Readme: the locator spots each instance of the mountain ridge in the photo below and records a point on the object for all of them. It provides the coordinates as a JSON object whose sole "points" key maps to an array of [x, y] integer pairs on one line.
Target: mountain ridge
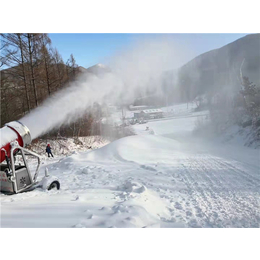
{"points": [[220, 68]]}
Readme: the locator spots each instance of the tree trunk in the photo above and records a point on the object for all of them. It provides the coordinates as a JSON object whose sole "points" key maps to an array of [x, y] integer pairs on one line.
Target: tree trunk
{"points": [[29, 36], [47, 73], [79, 128], [24, 77]]}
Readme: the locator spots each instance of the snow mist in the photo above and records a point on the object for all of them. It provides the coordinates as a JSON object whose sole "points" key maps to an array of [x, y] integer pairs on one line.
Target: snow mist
{"points": [[136, 69]]}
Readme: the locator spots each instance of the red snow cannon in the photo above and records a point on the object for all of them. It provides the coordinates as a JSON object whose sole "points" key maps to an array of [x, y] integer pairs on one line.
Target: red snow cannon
{"points": [[13, 131], [15, 175]]}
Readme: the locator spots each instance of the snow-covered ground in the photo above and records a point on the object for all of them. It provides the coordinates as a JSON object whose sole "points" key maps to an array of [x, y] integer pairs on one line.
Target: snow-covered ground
{"points": [[161, 177], [67, 146]]}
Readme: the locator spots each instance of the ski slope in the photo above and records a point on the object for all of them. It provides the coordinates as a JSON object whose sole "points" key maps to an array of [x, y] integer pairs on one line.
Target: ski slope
{"points": [[164, 178]]}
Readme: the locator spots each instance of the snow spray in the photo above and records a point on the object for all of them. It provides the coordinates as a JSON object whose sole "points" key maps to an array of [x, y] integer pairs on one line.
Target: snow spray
{"points": [[138, 68]]}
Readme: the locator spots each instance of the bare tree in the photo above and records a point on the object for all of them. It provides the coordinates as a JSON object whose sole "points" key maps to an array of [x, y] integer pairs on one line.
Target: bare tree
{"points": [[59, 68], [21, 46], [72, 67], [47, 60], [13, 51], [31, 44]]}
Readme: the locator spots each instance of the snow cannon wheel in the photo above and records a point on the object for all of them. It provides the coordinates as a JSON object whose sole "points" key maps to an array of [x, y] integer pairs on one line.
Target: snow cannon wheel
{"points": [[54, 185]]}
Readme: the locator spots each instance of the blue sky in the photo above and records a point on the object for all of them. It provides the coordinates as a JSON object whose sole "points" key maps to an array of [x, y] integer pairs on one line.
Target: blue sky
{"points": [[90, 49]]}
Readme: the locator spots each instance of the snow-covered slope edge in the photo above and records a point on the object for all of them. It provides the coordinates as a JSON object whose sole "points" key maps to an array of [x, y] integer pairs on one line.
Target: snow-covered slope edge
{"points": [[100, 188]]}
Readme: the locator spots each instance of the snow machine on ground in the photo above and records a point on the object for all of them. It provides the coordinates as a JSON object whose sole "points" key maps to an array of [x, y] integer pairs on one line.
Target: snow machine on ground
{"points": [[15, 173]]}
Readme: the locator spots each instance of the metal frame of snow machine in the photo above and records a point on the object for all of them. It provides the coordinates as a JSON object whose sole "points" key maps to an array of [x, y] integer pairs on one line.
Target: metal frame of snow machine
{"points": [[16, 178]]}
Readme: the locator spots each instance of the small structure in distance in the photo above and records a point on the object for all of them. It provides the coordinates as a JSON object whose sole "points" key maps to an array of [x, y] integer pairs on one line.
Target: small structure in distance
{"points": [[148, 113]]}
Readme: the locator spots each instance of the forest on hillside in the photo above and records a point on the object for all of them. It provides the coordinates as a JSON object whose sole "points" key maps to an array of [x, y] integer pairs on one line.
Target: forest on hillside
{"points": [[32, 69]]}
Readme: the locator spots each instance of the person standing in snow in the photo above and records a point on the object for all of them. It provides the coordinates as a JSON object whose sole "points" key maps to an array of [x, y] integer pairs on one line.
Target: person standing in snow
{"points": [[48, 150]]}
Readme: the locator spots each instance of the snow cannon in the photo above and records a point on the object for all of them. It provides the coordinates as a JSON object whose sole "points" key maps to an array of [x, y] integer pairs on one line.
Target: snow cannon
{"points": [[15, 174], [13, 132]]}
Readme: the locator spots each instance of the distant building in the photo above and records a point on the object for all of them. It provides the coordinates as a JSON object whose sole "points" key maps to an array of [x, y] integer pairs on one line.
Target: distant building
{"points": [[133, 108], [149, 113]]}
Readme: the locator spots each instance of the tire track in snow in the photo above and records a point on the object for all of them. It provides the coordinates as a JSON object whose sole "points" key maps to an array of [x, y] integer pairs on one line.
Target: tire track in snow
{"points": [[197, 197], [233, 205], [222, 197], [213, 187], [245, 205]]}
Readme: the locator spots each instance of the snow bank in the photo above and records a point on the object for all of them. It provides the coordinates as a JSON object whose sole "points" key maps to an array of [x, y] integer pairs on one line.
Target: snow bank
{"points": [[238, 135], [139, 149], [68, 146]]}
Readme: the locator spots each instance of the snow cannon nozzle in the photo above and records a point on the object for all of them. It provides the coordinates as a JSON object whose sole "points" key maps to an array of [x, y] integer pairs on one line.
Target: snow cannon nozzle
{"points": [[22, 131], [13, 131]]}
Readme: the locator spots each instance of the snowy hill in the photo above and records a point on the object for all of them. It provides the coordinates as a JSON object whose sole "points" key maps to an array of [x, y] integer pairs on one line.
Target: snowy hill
{"points": [[98, 69], [218, 70], [165, 179]]}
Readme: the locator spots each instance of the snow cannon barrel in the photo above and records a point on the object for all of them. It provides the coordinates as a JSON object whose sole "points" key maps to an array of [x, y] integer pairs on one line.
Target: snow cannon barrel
{"points": [[13, 131]]}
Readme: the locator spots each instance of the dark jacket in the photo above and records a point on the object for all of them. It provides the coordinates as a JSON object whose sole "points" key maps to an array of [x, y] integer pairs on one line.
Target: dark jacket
{"points": [[48, 149]]}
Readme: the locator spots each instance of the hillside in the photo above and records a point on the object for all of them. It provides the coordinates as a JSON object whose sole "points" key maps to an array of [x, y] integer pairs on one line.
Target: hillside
{"points": [[219, 69], [98, 70]]}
